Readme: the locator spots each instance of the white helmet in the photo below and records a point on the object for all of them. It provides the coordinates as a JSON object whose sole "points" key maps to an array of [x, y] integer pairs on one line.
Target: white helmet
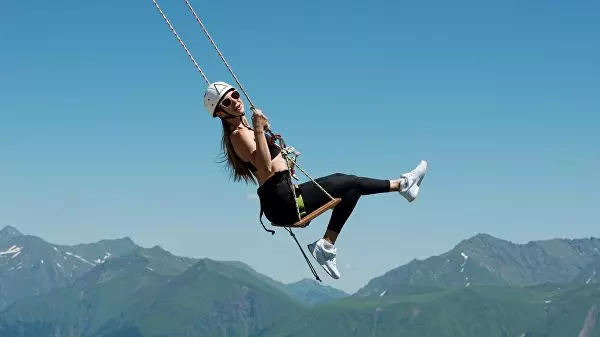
{"points": [[213, 95]]}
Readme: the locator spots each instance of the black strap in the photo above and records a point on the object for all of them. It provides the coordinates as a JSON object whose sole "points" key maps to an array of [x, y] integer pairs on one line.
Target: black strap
{"points": [[312, 269], [260, 218]]}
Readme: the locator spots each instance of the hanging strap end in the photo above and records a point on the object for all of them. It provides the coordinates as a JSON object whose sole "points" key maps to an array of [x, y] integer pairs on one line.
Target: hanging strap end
{"points": [[263, 225]]}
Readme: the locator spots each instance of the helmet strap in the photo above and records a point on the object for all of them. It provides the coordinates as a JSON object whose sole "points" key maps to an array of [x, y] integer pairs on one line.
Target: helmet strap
{"points": [[228, 115]]}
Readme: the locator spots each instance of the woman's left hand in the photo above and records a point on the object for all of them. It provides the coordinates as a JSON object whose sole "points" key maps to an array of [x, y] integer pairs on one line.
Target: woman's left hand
{"points": [[260, 121]]}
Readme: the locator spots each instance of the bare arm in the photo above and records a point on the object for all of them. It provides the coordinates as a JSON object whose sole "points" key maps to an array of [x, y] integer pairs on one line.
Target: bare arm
{"points": [[252, 150], [262, 156]]}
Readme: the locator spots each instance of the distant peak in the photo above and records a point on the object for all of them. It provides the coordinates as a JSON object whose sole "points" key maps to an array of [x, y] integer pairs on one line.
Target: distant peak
{"points": [[306, 280], [481, 239], [158, 248], [485, 236], [123, 240], [126, 239], [9, 232]]}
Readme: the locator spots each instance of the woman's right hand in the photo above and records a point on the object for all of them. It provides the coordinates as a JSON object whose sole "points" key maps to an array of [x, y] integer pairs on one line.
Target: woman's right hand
{"points": [[259, 121]]}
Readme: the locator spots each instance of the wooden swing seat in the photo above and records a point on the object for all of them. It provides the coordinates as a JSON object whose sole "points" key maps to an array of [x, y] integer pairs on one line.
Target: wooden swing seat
{"points": [[309, 217]]}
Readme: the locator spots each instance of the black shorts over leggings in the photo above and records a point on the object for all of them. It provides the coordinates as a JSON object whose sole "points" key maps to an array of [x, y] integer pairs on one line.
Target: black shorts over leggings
{"points": [[277, 200]]}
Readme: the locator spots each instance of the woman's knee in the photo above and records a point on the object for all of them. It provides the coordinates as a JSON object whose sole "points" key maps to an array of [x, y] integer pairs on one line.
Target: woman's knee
{"points": [[345, 179], [351, 196], [337, 177]]}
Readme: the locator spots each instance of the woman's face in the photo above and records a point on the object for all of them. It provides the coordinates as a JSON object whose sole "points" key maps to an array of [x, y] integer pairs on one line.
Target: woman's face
{"points": [[232, 103]]}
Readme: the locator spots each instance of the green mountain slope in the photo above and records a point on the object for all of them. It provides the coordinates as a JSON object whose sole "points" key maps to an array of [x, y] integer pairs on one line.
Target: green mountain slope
{"points": [[307, 291], [125, 295], [573, 312], [491, 311], [311, 292], [81, 309], [208, 299], [589, 274]]}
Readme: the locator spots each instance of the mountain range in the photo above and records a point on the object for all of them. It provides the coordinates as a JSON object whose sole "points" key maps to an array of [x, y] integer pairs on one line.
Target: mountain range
{"points": [[31, 266], [486, 260], [483, 286]]}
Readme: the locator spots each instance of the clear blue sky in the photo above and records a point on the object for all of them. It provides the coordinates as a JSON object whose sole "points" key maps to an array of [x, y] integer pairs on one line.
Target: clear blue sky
{"points": [[103, 133]]}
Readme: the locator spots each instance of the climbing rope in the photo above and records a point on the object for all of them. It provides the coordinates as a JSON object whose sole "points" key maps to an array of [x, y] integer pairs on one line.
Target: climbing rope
{"points": [[180, 41], [220, 54]]}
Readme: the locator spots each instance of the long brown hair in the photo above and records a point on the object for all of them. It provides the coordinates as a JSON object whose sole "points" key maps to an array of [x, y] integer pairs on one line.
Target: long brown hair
{"points": [[239, 171]]}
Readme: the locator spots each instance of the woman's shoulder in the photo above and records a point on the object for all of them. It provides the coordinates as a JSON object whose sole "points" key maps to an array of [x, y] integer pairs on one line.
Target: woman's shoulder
{"points": [[243, 137], [242, 133]]}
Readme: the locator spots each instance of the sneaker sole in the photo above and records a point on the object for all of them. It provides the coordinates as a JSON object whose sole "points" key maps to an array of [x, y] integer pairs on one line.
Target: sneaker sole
{"points": [[408, 196]]}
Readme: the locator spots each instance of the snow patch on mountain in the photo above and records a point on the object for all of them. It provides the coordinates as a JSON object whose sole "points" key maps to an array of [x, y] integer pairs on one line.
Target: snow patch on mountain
{"points": [[14, 250]]}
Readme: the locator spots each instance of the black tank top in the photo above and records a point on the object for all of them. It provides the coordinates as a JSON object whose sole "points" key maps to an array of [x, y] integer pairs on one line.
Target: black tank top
{"points": [[273, 150]]}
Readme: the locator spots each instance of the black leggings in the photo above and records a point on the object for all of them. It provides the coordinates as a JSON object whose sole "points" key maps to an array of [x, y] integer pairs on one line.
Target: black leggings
{"points": [[277, 199]]}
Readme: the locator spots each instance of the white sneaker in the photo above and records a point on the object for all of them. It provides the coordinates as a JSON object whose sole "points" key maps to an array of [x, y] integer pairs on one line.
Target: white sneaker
{"points": [[414, 178], [412, 193], [325, 254]]}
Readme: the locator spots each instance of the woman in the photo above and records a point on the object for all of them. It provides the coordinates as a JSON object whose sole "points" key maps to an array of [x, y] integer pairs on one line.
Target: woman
{"points": [[251, 158]]}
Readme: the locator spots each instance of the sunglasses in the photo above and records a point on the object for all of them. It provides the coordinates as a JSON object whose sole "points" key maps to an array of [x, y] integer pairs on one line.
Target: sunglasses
{"points": [[227, 102]]}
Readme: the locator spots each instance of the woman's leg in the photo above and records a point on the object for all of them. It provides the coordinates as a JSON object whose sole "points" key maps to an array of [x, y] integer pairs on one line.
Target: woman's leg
{"points": [[349, 188]]}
